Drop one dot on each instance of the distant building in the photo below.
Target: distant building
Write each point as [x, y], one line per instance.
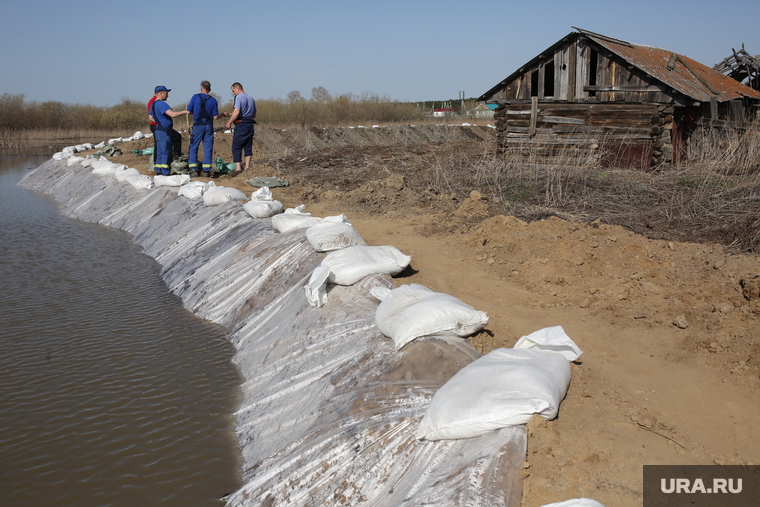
[482, 110]
[444, 111]
[628, 104]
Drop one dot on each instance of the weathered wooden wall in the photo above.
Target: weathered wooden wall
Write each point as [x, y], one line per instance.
[581, 71]
[598, 106]
[622, 135]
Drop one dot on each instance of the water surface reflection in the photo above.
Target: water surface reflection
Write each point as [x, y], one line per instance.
[111, 393]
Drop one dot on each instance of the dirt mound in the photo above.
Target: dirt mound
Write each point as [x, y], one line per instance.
[303, 141]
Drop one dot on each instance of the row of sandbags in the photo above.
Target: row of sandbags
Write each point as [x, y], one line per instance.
[105, 168]
[261, 204]
[70, 151]
[505, 387]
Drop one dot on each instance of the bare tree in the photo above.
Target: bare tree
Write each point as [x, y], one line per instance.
[320, 94]
[294, 96]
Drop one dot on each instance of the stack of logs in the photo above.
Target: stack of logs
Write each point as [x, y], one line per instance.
[615, 134]
[662, 130]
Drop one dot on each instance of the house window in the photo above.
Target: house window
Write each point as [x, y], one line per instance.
[593, 64]
[549, 79]
[534, 83]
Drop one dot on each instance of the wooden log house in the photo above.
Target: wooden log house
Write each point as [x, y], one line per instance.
[626, 105]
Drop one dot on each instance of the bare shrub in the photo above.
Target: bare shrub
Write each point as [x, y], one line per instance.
[18, 115]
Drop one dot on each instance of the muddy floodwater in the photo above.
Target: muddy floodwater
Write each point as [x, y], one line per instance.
[111, 393]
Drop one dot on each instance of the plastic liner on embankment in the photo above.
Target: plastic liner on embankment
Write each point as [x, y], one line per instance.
[330, 407]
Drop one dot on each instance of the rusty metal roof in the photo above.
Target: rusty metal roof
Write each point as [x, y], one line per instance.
[687, 76]
[679, 72]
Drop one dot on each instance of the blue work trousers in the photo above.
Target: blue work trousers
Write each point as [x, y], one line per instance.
[164, 152]
[201, 134]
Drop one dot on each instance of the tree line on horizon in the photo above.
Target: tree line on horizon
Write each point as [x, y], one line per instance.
[321, 109]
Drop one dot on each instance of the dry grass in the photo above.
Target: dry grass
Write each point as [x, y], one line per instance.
[715, 197]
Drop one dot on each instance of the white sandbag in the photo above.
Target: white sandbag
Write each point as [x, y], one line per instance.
[176, 180]
[413, 311]
[316, 288]
[263, 209]
[104, 167]
[116, 140]
[61, 155]
[83, 147]
[576, 502]
[100, 145]
[349, 265]
[342, 219]
[140, 181]
[262, 194]
[123, 174]
[298, 210]
[263, 205]
[137, 135]
[87, 162]
[69, 150]
[503, 388]
[551, 339]
[219, 195]
[294, 218]
[192, 190]
[330, 236]
[74, 160]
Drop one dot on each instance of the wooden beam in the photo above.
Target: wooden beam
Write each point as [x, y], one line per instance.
[621, 88]
[564, 119]
[533, 114]
[713, 108]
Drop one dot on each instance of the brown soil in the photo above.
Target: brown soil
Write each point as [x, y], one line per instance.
[671, 368]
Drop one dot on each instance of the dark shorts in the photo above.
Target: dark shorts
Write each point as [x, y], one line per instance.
[242, 141]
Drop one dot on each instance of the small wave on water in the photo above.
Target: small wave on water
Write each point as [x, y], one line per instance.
[111, 393]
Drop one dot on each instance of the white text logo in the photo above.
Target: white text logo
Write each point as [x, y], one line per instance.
[698, 486]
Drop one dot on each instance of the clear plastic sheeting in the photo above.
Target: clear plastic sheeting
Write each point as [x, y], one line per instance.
[330, 407]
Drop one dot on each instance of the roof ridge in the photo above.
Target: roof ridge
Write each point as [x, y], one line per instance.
[605, 37]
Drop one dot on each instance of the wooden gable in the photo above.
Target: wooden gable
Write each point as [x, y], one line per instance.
[577, 69]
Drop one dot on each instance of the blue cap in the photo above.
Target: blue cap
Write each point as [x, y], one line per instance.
[161, 89]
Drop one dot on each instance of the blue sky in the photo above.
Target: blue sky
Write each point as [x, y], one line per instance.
[98, 52]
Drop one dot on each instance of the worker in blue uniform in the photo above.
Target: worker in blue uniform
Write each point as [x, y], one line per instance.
[205, 110]
[163, 115]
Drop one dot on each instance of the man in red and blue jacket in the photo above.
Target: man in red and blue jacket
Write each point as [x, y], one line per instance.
[163, 115]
